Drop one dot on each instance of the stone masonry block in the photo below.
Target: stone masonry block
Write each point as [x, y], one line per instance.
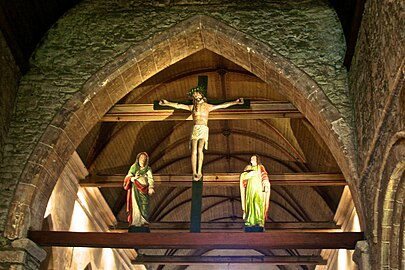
[105, 74]
[25, 193]
[51, 136]
[75, 102]
[289, 71]
[45, 156]
[328, 114]
[299, 101]
[337, 146]
[87, 115]
[64, 147]
[242, 55]
[272, 76]
[116, 88]
[32, 248]
[42, 179]
[257, 63]
[13, 256]
[226, 48]
[57, 140]
[210, 40]
[194, 40]
[147, 65]
[285, 87]
[162, 55]
[178, 47]
[91, 86]
[101, 101]
[312, 115]
[19, 219]
[30, 171]
[39, 204]
[41, 154]
[17, 267]
[319, 99]
[61, 119]
[132, 75]
[69, 122]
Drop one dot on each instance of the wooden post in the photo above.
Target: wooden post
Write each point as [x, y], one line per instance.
[197, 186]
[196, 203]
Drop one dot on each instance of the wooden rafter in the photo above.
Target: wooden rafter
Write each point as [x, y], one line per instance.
[222, 179]
[183, 75]
[214, 260]
[285, 164]
[218, 240]
[145, 112]
[217, 226]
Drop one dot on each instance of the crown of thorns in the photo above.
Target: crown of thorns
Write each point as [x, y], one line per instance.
[198, 89]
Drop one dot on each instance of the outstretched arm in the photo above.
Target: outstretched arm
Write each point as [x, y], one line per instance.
[164, 102]
[227, 104]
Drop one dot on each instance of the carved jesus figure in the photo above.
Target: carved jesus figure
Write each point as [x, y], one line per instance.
[200, 110]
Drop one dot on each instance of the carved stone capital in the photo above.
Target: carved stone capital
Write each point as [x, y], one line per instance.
[19, 220]
[361, 255]
[23, 254]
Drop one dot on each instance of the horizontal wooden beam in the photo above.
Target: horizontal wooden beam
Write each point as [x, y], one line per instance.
[223, 179]
[182, 240]
[215, 260]
[218, 226]
[145, 112]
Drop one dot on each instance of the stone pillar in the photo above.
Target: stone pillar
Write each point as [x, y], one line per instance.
[22, 255]
[361, 255]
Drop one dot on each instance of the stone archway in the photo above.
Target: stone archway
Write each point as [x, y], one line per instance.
[140, 62]
[389, 205]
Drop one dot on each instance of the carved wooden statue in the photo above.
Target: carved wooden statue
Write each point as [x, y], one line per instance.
[255, 193]
[139, 186]
[200, 110]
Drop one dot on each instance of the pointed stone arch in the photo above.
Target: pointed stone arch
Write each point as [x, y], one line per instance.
[389, 207]
[142, 61]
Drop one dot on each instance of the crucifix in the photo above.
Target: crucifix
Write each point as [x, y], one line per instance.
[200, 109]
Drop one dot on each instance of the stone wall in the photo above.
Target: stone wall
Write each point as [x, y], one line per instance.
[94, 33]
[377, 87]
[9, 78]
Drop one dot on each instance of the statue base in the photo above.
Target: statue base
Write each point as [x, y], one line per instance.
[135, 229]
[253, 229]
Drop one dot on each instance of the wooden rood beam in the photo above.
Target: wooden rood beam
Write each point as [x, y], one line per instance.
[233, 226]
[181, 240]
[223, 179]
[145, 112]
[214, 260]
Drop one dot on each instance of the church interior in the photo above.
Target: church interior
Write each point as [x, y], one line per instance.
[323, 89]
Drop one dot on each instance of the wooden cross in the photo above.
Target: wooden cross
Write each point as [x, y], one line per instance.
[203, 82]
[197, 186]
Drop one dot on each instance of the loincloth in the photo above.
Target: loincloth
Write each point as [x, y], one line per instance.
[200, 132]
